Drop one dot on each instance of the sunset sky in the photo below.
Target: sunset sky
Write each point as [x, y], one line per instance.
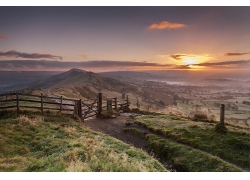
[125, 38]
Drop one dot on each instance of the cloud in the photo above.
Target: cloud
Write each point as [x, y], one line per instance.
[224, 63]
[83, 55]
[33, 65]
[177, 56]
[50, 64]
[166, 25]
[3, 37]
[17, 54]
[236, 54]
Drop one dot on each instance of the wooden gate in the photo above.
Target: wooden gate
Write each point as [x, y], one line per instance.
[86, 109]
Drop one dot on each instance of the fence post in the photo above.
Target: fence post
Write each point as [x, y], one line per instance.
[17, 102]
[99, 103]
[127, 101]
[222, 113]
[115, 103]
[42, 102]
[80, 108]
[61, 104]
[76, 108]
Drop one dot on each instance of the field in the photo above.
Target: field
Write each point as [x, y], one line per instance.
[232, 146]
[56, 143]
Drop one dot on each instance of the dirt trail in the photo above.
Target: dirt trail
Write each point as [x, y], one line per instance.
[114, 127]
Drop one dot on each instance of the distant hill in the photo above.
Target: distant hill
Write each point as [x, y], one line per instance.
[77, 84]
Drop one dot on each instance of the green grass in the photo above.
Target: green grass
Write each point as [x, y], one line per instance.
[187, 159]
[233, 146]
[54, 142]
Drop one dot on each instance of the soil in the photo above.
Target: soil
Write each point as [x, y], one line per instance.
[114, 127]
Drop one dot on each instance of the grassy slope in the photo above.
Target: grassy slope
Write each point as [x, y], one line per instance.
[233, 146]
[35, 142]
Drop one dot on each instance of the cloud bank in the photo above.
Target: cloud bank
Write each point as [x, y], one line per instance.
[238, 62]
[166, 25]
[17, 54]
[236, 54]
[44, 65]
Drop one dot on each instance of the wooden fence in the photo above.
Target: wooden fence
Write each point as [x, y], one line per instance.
[83, 108]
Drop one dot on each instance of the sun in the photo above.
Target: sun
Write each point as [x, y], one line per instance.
[189, 61]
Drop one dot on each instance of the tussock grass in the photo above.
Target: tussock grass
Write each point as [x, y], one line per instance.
[52, 142]
[187, 159]
[134, 131]
[233, 146]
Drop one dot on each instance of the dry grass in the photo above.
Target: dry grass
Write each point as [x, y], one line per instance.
[51, 142]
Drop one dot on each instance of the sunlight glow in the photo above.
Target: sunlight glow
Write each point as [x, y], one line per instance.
[189, 61]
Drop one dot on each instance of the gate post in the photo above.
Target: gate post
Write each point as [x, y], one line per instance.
[17, 102]
[222, 113]
[115, 103]
[80, 108]
[42, 102]
[61, 104]
[99, 104]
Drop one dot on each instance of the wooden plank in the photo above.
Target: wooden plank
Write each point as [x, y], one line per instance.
[51, 103]
[27, 100]
[6, 107]
[9, 100]
[67, 109]
[30, 95]
[68, 104]
[35, 107]
[51, 108]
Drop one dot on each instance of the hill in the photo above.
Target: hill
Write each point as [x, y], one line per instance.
[82, 84]
[53, 142]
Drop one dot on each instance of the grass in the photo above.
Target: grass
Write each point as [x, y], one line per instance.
[233, 146]
[52, 142]
[187, 159]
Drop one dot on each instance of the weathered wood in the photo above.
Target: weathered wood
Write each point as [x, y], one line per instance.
[99, 103]
[17, 102]
[61, 104]
[90, 108]
[41, 102]
[80, 109]
[9, 100]
[27, 100]
[6, 107]
[115, 103]
[222, 113]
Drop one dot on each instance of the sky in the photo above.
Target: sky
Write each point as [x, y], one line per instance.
[118, 38]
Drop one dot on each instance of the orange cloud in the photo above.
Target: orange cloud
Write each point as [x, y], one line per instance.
[178, 56]
[236, 54]
[166, 25]
[3, 37]
[83, 55]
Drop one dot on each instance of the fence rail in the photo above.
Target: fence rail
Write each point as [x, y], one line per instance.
[84, 109]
